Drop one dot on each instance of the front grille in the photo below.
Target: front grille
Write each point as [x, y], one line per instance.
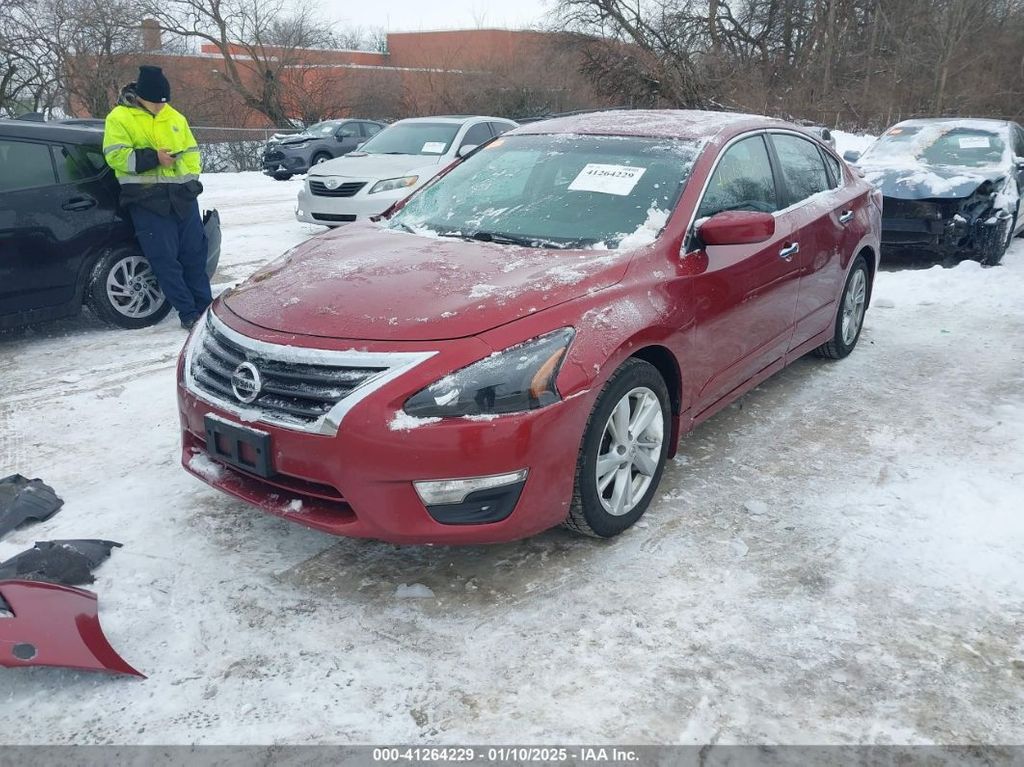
[291, 392]
[273, 156]
[345, 190]
[929, 210]
[336, 217]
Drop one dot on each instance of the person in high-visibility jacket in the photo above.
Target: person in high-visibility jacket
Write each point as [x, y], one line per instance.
[156, 160]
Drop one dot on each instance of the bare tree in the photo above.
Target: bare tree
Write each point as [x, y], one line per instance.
[264, 44]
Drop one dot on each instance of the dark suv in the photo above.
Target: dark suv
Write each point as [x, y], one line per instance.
[285, 156]
[63, 239]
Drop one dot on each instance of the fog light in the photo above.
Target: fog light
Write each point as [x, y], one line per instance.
[472, 501]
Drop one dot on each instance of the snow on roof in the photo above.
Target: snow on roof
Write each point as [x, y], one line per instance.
[669, 123]
[978, 123]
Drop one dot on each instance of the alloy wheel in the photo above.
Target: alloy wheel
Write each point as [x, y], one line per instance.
[630, 450]
[853, 306]
[132, 288]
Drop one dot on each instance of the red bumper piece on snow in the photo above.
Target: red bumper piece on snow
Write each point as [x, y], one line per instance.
[54, 625]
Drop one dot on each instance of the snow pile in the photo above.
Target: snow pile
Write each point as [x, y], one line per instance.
[402, 421]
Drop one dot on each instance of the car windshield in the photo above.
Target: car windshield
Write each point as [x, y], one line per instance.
[937, 145]
[322, 130]
[557, 191]
[413, 138]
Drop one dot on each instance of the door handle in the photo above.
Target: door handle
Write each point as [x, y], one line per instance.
[846, 217]
[79, 203]
[789, 251]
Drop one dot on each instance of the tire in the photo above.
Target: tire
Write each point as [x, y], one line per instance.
[122, 290]
[592, 511]
[282, 176]
[992, 243]
[856, 290]
[320, 157]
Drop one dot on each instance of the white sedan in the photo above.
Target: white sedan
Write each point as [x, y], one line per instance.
[389, 166]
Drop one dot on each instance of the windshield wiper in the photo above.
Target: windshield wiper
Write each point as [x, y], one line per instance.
[501, 238]
[404, 226]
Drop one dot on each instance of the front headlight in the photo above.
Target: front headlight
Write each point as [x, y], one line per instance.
[511, 381]
[391, 184]
[303, 145]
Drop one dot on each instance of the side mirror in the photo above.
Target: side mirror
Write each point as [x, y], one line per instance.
[851, 155]
[737, 227]
[1019, 162]
[466, 149]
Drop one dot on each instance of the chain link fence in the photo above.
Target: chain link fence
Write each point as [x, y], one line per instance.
[234, 149]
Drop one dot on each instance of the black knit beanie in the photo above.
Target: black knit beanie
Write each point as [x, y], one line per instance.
[152, 85]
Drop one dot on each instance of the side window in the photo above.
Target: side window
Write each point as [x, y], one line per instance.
[1020, 141]
[836, 177]
[24, 165]
[743, 180]
[802, 167]
[76, 163]
[499, 128]
[370, 129]
[347, 130]
[476, 135]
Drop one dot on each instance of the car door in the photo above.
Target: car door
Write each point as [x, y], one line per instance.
[37, 218]
[347, 137]
[832, 217]
[745, 298]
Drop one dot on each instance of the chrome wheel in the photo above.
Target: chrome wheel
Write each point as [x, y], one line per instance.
[630, 451]
[853, 306]
[132, 288]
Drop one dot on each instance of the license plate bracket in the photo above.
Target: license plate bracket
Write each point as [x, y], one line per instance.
[238, 446]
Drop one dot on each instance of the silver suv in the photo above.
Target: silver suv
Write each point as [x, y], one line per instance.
[286, 156]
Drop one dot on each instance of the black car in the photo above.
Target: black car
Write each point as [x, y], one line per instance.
[285, 156]
[64, 241]
[950, 187]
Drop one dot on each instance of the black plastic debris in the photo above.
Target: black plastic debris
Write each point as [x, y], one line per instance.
[69, 563]
[24, 499]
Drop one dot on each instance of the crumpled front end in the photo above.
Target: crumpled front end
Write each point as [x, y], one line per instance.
[976, 226]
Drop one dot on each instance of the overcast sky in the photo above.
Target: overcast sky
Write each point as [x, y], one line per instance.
[412, 15]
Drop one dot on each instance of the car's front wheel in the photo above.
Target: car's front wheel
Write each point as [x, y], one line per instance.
[123, 291]
[321, 157]
[280, 175]
[623, 452]
[850, 318]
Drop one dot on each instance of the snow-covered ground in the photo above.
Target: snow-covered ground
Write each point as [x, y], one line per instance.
[836, 558]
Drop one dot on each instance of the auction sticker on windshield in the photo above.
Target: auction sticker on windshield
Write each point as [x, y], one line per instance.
[609, 179]
[974, 142]
[434, 147]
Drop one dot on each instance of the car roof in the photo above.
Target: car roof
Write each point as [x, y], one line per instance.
[51, 131]
[454, 119]
[980, 123]
[658, 123]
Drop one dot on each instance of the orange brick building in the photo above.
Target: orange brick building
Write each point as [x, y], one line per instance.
[494, 71]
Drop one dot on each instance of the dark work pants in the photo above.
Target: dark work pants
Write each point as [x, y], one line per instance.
[176, 249]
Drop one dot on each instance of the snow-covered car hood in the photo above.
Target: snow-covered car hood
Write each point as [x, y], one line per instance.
[378, 165]
[930, 182]
[369, 283]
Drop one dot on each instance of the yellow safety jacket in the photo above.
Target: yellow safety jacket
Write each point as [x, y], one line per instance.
[130, 140]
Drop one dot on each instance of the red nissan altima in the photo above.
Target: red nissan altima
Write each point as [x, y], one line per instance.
[523, 341]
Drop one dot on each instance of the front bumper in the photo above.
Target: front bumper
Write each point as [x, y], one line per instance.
[332, 211]
[279, 162]
[359, 481]
[938, 226]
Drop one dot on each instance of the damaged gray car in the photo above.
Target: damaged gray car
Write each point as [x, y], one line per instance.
[950, 187]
